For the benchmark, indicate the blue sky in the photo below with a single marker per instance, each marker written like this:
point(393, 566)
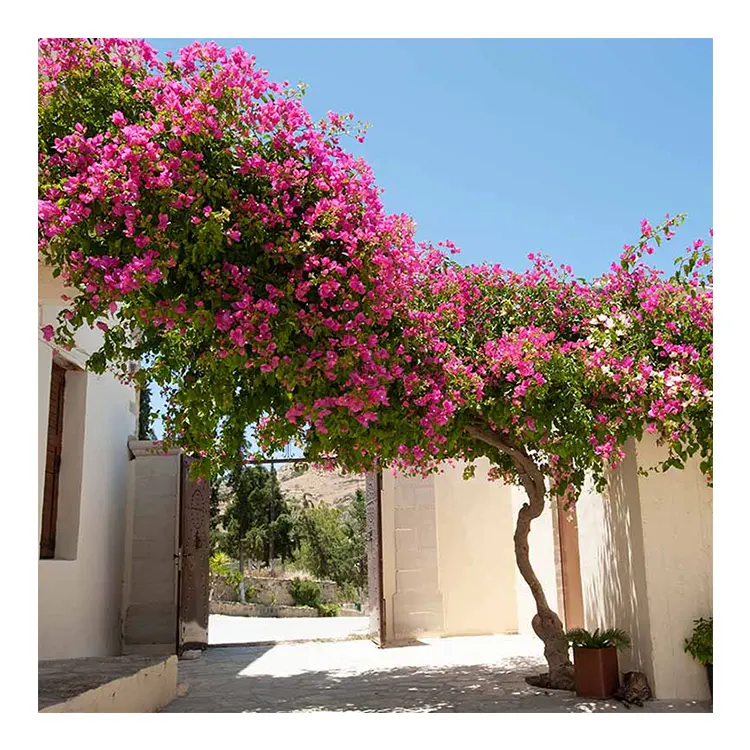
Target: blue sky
point(511, 146)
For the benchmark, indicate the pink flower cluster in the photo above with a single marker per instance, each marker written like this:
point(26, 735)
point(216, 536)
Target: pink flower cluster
point(216, 216)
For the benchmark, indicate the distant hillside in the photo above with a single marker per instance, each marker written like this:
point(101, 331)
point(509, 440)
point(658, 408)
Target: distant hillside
point(330, 487)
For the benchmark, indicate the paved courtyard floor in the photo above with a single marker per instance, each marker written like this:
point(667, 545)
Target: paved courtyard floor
point(478, 674)
point(224, 629)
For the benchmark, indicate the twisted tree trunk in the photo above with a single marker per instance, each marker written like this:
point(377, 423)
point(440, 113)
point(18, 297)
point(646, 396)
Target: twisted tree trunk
point(546, 623)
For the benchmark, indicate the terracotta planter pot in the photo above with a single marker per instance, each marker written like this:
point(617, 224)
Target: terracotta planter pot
point(596, 672)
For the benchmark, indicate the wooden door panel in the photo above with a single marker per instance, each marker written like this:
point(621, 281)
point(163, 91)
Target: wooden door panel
point(195, 545)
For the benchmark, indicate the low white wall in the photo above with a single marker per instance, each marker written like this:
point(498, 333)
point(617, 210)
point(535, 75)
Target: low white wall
point(79, 597)
point(146, 691)
point(646, 566)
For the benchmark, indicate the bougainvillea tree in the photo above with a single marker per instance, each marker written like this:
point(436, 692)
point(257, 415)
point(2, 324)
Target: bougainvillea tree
point(225, 240)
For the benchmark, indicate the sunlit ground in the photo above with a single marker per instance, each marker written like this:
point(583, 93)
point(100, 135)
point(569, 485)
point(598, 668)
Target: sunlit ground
point(472, 674)
point(225, 629)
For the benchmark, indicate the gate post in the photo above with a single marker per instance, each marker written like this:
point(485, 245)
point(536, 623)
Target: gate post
point(373, 489)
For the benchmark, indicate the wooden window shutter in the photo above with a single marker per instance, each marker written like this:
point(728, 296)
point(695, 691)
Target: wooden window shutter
point(52, 465)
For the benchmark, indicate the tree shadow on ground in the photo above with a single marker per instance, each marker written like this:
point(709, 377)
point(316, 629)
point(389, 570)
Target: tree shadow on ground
point(227, 685)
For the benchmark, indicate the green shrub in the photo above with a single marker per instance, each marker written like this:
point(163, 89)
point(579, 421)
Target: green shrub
point(701, 644)
point(220, 564)
point(305, 593)
point(347, 592)
point(328, 610)
point(612, 637)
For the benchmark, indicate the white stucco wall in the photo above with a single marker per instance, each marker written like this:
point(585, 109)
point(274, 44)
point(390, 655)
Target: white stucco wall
point(79, 597)
point(613, 574)
point(448, 558)
point(476, 561)
point(677, 517)
point(542, 552)
point(646, 566)
point(645, 560)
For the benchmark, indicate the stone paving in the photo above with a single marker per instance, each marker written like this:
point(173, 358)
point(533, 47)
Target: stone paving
point(225, 629)
point(482, 674)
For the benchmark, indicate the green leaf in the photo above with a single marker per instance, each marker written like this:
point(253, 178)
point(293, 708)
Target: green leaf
point(469, 471)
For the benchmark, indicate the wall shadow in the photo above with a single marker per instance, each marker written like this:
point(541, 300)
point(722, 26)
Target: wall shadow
point(615, 588)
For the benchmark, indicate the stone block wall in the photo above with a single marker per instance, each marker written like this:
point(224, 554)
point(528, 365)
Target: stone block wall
point(269, 591)
point(259, 610)
point(411, 560)
point(448, 558)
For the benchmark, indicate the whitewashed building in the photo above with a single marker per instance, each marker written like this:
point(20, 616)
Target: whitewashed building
point(85, 421)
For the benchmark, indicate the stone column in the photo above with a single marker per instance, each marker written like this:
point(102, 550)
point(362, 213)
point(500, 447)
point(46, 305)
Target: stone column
point(417, 602)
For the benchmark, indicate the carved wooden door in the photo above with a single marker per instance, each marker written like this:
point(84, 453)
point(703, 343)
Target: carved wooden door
point(195, 529)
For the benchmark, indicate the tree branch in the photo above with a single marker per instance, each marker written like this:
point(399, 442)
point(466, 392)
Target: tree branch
point(527, 469)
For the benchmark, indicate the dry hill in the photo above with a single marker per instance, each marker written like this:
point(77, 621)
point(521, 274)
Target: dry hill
point(316, 485)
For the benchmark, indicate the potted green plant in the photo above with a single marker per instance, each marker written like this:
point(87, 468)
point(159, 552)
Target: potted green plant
point(701, 647)
point(597, 674)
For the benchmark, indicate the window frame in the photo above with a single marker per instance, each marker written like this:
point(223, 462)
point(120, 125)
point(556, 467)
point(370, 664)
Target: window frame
point(53, 452)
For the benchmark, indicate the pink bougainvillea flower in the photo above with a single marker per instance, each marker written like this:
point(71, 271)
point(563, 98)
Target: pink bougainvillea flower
point(271, 291)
